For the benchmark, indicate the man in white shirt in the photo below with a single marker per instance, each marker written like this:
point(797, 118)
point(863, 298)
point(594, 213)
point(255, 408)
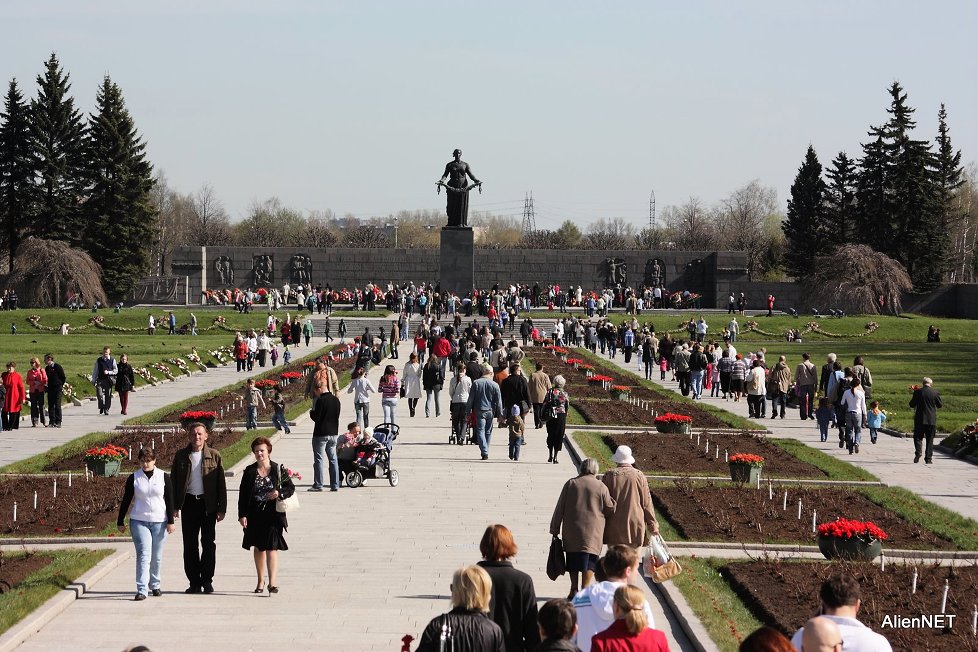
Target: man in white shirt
point(594, 604)
point(840, 599)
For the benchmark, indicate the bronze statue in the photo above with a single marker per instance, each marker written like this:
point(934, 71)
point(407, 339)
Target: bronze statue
point(262, 270)
point(654, 273)
point(300, 268)
point(224, 270)
point(457, 190)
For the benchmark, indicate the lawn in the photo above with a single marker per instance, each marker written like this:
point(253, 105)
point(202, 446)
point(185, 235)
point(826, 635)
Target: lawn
point(77, 351)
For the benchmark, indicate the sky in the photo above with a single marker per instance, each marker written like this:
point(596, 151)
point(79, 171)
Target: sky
point(591, 106)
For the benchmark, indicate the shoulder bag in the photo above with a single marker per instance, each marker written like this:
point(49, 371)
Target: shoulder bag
point(289, 504)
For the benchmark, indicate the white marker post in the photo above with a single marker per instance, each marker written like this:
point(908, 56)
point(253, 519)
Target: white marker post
point(35, 501)
point(55, 488)
point(784, 506)
point(913, 581)
point(726, 456)
point(882, 561)
point(770, 490)
point(130, 453)
point(813, 522)
point(944, 597)
point(974, 620)
point(758, 481)
point(15, 511)
point(799, 509)
point(69, 479)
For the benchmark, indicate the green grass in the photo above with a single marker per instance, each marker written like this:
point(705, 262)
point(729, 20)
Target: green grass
point(37, 463)
point(835, 468)
point(961, 531)
point(37, 588)
point(721, 611)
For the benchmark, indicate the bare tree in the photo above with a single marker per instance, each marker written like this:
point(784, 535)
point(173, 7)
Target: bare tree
point(496, 231)
point(610, 234)
point(855, 278)
point(740, 220)
point(689, 227)
point(46, 273)
point(208, 220)
point(320, 230)
point(366, 236)
point(269, 224)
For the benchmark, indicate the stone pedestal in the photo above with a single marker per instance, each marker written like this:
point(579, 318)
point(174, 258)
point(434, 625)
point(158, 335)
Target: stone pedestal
point(457, 265)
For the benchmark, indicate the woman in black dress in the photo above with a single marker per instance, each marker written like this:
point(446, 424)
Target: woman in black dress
point(262, 485)
point(125, 380)
point(556, 404)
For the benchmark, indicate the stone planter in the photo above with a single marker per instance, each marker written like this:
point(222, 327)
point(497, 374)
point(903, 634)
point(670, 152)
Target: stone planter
point(106, 469)
point(620, 396)
point(744, 473)
point(208, 423)
point(676, 428)
point(853, 549)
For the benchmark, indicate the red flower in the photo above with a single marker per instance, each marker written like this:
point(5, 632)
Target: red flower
point(747, 458)
point(198, 415)
point(600, 379)
point(844, 528)
point(669, 417)
point(292, 374)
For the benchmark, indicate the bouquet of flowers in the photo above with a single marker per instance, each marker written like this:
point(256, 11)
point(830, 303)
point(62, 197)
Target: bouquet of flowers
point(844, 528)
point(107, 453)
point(163, 369)
point(746, 458)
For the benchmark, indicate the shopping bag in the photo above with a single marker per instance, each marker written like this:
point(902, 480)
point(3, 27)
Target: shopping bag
point(666, 567)
point(556, 564)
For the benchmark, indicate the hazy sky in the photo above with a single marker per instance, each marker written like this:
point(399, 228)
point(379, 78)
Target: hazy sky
point(357, 106)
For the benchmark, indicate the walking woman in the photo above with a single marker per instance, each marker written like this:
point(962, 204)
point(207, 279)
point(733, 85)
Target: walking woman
point(555, 408)
point(150, 494)
point(514, 600)
point(411, 377)
point(262, 485)
point(361, 387)
point(432, 380)
point(240, 351)
point(37, 382)
point(468, 622)
point(738, 374)
point(390, 390)
point(13, 399)
point(125, 380)
point(395, 340)
point(458, 390)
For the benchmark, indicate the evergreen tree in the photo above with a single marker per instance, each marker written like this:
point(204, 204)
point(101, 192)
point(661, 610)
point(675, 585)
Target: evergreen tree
point(16, 171)
point(57, 135)
point(840, 201)
point(948, 173)
point(119, 213)
point(804, 226)
point(873, 225)
point(921, 244)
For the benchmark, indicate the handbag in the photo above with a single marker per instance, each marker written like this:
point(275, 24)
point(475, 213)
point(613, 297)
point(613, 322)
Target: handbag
point(289, 504)
point(556, 564)
point(403, 390)
point(663, 565)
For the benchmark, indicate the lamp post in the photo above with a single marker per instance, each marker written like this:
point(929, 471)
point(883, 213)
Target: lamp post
point(393, 219)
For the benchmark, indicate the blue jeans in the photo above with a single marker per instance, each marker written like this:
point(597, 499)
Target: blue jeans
point(427, 402)
point(318, 451)
point(733, 337)
point(252, 421)
point(823, 431)
point(483, 431)
point(853, 429)
point(697, 380)
point(278, 420)
point(363, 414)
point(514, 447)
point(148, 539)
point(334, 464)
point(389, 406)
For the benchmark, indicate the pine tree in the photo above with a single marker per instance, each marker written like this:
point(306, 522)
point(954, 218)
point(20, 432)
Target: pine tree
point(57, 137)
point(805, 227)
point(921, 246)
point(873, 225)
point(948, 173)
point(16, 171)
point(119, 212)
point(840, 201)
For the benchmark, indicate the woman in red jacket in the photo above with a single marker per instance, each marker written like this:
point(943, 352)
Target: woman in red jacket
point(13, 399)
point(241, 351)
point(630, 632)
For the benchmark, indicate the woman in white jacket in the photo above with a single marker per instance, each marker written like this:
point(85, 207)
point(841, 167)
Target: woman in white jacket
point(411, 377)
point(458, 390)
point(361, 387)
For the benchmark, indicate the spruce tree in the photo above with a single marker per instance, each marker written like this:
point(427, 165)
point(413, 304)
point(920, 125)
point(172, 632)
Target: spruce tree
point(921, 244)
point(840, 200)
point(57, 136)
point(804, 226)
point(873, 226)
point(16, 171)
point(119, 212)
point(948, 173)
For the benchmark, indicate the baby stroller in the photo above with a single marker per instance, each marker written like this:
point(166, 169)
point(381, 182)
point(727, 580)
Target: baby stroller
point(468, 432)
point(373, 459)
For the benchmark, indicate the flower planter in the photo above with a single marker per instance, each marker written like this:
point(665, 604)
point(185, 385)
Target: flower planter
point(104, 468)
point(621, 396)
point(853, 548)
point(674, 428)
point(747, 473)
point(208, 423)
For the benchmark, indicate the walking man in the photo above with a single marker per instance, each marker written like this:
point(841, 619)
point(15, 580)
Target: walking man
point(486, 402)
point(200, 497)
point(56, 381)
point(925, 401)
point(326, 415)
point(103, 377)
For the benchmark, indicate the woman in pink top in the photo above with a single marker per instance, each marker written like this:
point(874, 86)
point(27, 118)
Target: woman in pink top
point(37, 383)
point(390, 390)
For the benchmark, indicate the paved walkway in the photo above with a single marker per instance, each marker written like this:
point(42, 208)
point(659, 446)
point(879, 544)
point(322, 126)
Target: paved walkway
point(365, 567)
point(79, 420)
point(949, 482)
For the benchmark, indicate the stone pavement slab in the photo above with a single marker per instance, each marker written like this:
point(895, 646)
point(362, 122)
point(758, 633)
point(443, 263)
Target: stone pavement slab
point(365, 566)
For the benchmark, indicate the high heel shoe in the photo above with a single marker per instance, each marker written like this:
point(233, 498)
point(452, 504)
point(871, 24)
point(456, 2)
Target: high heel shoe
point(260, 588)
point(272, 589)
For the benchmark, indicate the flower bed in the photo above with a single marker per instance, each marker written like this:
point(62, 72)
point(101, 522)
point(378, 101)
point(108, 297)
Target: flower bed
point(711, 513)
point(83, 508)
point(612, 413)
point(850, 539)
point(780, 594)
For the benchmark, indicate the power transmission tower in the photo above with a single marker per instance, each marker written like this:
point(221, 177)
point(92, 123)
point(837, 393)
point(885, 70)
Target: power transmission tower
point(652, 211)
point(529, 217)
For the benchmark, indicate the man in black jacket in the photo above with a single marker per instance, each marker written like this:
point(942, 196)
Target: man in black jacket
point(326, 415)
point(200, 497)
point(925, 402)
point(56, 382)
point(697, 368)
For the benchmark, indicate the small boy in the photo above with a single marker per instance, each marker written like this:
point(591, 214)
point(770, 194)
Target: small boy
point(875, 420)
point(287, 356)
point(278, 419)
point(516, 430)
point(824, 415)
point(274, 355)
point(252, 398)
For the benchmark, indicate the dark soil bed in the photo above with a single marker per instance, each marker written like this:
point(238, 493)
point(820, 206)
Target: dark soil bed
point(164, 443)
point(613, 413)
point(679, 455)
point(14, 570)
point(744, 514)
point(83, 508)
point(785, 595)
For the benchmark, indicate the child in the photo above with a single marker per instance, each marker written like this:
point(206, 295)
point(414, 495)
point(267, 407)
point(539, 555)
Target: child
point(875, 420)
point(663, 367)
point(278, 419)
point(824, 415)
point(252, 398)
point(516, 430)
point(287, 356)
point(274, 355)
